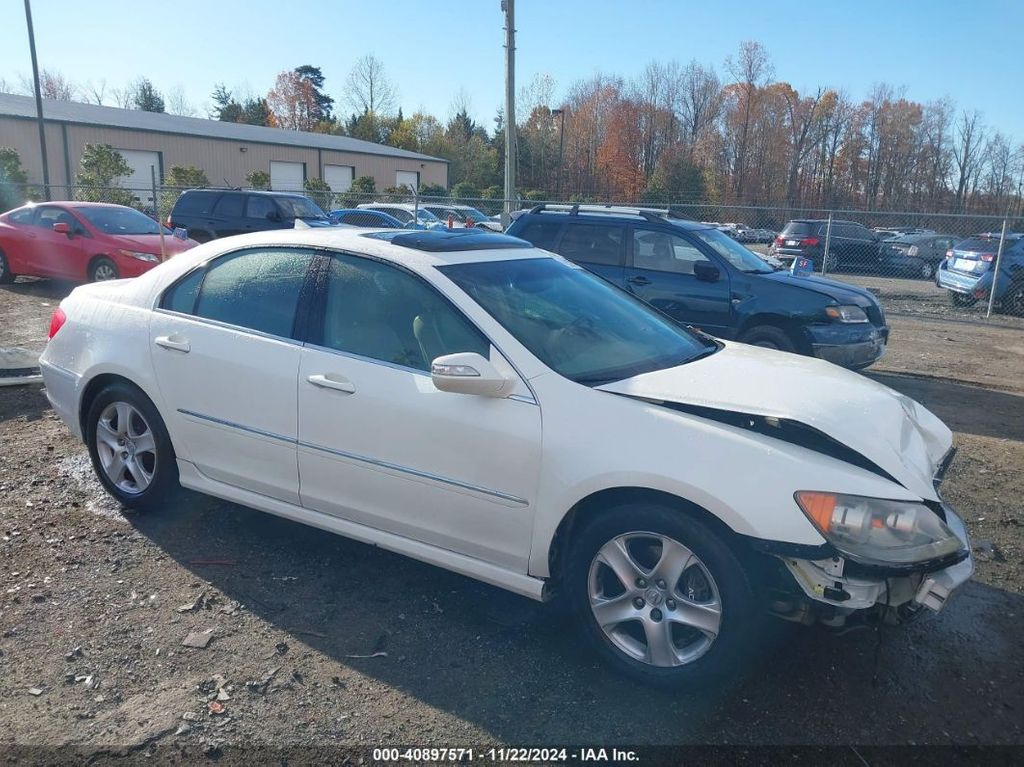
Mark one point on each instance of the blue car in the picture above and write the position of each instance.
(367, 218)
(699, 276)
(969, 270)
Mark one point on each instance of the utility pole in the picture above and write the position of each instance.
(561, 141)
(508, 6)
(39, 100)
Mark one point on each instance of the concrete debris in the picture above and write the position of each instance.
(198, 639)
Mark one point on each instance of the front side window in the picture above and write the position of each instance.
(736, 254)
(254, 289)
(300, 207)
(575, 322)
(379, 311)
(593, 244)
(49, 215)
(402, 215)
(665, 252)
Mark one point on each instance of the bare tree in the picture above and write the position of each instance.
(95, 92)
(700, 101)
(52, 85)
(124, 97)
(751, 70)
(368, 88)
(968, 138)
(178, 103)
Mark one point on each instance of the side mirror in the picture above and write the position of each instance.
(706, 272)
(468, 373)
(62, 228)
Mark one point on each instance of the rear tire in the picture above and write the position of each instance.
(769, 337)
(130, 448)
(6, 275)
(654, 574)
(103, 269)
(926, 271)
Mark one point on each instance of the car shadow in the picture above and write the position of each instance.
(40, 287)
(967, 409)
(516, 669)
(27, 401)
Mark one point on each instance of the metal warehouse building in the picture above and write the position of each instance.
(225, 151)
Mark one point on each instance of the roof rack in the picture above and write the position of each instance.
(651, 214)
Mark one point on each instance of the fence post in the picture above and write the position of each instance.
(995, 272)
(828, 242)
(415, 204)
(156, 210)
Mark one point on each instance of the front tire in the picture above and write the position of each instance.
(962, 299)
(660, 597)
(103, 269)
(130, 448)
(769, 337)
(6, 275)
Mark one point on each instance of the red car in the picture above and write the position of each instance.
(81, 241)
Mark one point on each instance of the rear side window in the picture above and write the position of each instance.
(22, 217)
(255, 289)
(230, 206)
(195, 204)
(181, 297)
(543, 234)
(364, 219)
(593, 244)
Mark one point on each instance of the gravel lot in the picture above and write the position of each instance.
(95, 606)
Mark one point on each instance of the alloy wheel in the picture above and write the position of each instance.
(126, 447)
(104, 272)
(654, 599)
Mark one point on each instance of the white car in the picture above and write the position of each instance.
(462, 216)
(498, 411)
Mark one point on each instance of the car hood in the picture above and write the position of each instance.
(150, 243)
(841, 292)
(890, 430)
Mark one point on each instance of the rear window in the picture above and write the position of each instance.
(799, 229)
(979, 244)
(195, 203)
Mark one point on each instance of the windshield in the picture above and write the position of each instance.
(576, 323)
(742, 258)
(426, 217)
(299, 207)
(119, 220)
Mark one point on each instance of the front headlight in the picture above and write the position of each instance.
(846, 313)
(876, 531)
(150, 257)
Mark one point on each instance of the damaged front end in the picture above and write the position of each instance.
(842, 585)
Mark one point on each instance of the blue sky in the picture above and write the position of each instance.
(432, 49)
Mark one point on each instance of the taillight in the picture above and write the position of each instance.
(809, 242)
(57, 322)
(779, 240)
(169, 224)
(988, 257)
(949, 254)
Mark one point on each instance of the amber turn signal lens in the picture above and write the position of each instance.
(818, 507)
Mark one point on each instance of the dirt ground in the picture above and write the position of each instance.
(316, 640)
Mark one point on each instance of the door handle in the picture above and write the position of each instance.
(175, 343)
(332, 381)
(638, 280)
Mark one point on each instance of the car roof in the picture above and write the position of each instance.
(73, 204)
(606, 213)
(402, 205)
(261, 192)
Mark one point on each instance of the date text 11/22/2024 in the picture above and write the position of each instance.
(504, 755)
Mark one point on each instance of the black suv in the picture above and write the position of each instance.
(211, 213)
(699, 276)
(852, 246)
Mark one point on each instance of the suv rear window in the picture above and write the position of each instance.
(195, 203)
(799, 229)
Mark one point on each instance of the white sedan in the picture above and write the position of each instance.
(468, 400)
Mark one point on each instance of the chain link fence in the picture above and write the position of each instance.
(927, 264)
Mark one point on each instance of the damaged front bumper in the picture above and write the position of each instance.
(837, 591)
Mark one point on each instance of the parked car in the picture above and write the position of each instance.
(365, 218)
(852, 247)
(699, 276)
(211, 213)
(917, 255)
(407, 214)
(81, 241)
(888, 233)
(756, 236)
(969, 268)
(476, 403)
(461, 215)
